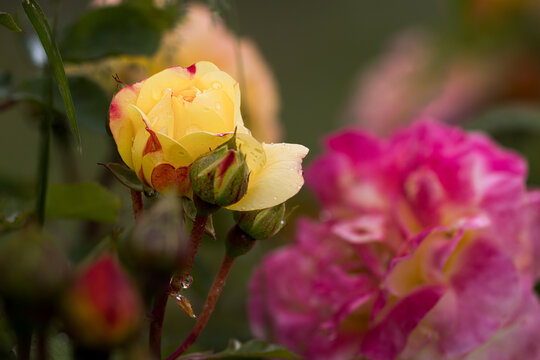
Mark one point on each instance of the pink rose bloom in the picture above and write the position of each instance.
(425, 250)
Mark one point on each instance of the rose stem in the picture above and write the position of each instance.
(156, 325)
(199, 225)
(42, 346)
(24, 342)
(160, 302)
(137, 203)
(208, 307)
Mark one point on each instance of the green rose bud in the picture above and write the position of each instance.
(238, 242)
(261, 224)
(34, 273)
(34, 270)
(220, 177)
(158, 245)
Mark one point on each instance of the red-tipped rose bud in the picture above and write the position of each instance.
(220, 177)
(261, 224)
(102, 307)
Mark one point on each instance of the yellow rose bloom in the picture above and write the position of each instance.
(164, 123)
(200, 36)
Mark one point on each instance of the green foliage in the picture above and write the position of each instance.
(126, 176)
(253, 349)
(7, 21)
(89, 201)
(46, 36)
(6, 84)
(132, 29)
(89, 98)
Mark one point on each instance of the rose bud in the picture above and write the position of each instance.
(102, 308)
(34, 272)
(158, 245)
(261, 224)
(221, 177)
(238, 242)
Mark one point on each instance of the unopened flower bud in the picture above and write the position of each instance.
(261, 224)
(221, 177)
(238, 242)
(159, 242)
(102, 308)
(34, 273)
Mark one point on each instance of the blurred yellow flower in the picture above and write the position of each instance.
(164, 123)
(201, 36)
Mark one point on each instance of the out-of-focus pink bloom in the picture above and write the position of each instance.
(425, 250)
(414, 79)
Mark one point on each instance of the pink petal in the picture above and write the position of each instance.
(388, 338)
(484, 288)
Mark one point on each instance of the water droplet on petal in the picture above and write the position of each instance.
(216, 85)
(218, 106)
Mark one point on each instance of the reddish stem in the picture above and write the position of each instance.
(208, 308)
(158, 314)
(137, 203)
(199, 226)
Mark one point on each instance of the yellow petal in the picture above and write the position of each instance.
(139, 144)
(219, 102)
(406, 276)
(161, 117)
(203, 67)
(166, 150)
(218, 80)
(123, 128)
(193, 117)
(171, 153)
(223, 81)
(173, 79)
(200, 143)
(279, 179)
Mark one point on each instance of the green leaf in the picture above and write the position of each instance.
(128, 178)
(46, 37)
(114, 30)
(92, 104)
(253, 349)
(89, 201)
(7, 21)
